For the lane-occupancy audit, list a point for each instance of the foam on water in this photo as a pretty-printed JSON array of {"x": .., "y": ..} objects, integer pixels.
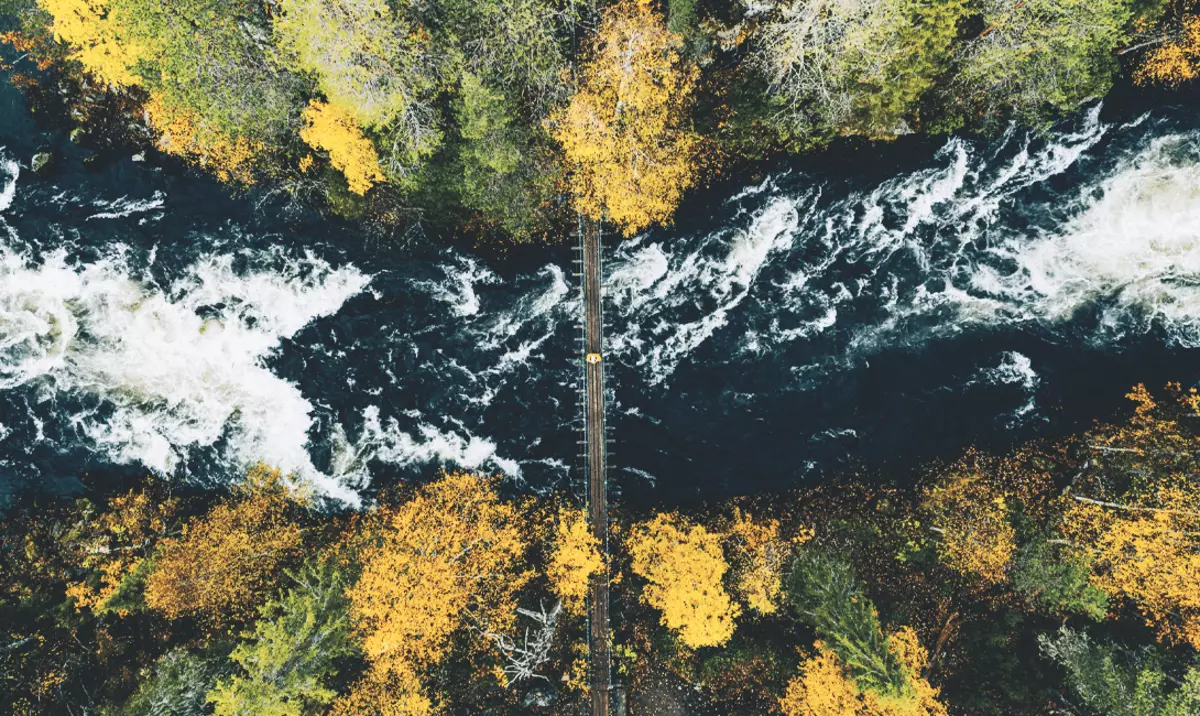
[
  {"x": 384, "y": 440},
  {"x": 927, "y": 254},
  {"x": 1132, "y": 251},
  {"x": 172, "y": 369},
  {"x": 123, "y": 207},
  {"x": 12, "y": 172},
  {"x": 649, "y": 282},
  {"x": 1016, "y": 370}
]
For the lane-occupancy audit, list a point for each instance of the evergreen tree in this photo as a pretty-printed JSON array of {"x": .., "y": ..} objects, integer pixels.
[
  {"x": 824, "y": 593},
  {"x": 285, "y": 664}
]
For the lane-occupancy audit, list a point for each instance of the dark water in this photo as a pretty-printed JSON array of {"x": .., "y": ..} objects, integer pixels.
[{"x": 880, "y": 310}]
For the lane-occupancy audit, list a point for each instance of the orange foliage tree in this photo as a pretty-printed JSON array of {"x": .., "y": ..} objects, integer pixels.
[
  {"x": 684, "y": 565},
  {"x": 227, "y": 563},
  {"x": 451, "y": 556},
  {"x": 328, "y": 127},
  {"x": 1175, "y": 61},
  {"x": 625, "y": 133},
  {"x": 1136, "y": 514},
  {"x": 574, "y": 558},
  {"x": 184, "y": 135}
]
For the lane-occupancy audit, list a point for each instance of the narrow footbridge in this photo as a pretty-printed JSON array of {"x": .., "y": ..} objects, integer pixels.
[{"x": 595, "y": 457}]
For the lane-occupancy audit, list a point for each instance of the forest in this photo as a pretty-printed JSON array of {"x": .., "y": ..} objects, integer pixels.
[
  {"x": 1058, "y": 578},
  {"x": 499, "y": 119}
]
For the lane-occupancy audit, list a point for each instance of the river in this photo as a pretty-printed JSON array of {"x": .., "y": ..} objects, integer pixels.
[{"x": 887, "y": 308}]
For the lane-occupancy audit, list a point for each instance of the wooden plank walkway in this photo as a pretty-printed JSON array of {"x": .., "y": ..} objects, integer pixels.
[{"x": 599, "y": 639}]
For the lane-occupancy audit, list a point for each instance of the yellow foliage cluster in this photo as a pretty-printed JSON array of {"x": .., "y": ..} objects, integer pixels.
[
  {"x": 453, "y": 552},
  {"x": 970, "y": 512},
  {"x": 90, "y": 27},
  {"x": 328, "y": 127},
  {"x": 228, "y": 562},
  {"x": 1148, "y": 551},
  {"x": 625, "y": 133},
  {"x": 397, "y": 694},
  {"x": 1174, "y": 62},
  {"x": 759, "y": 554},
  {"x": 684, "y": 566},
  {"x": 116, "y": 543},
  {"x": 825, "y": 688},
  {"x": 1144, "y": 544},
  {"x": 182, "y": 134},
  {"x": 573, "y": 559}
]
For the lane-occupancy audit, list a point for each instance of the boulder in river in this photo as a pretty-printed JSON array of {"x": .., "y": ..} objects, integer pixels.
[{"x": 42, "y": 162}]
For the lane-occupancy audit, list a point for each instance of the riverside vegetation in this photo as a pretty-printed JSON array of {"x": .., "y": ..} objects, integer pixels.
[
  {"x": 500, "y": 118},
  {"x": 1059, "y": 578}
]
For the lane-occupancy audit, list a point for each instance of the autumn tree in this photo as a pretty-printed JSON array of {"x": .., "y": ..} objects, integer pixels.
[
  {"x": 625, "y": 134},
  {"x": 854, "y": 66},
  {"x": 823, "y": 688},
  {"x": 225, "y": 563},
  {"x": 758, "y": 554},
  {"x": 114, "y": 546},
  {"x": 450, "y": 557},
  {"x": 181, "y": 133},
  {"x": 392, "y": 694},
  {"x": 100, "y": 39},
  {"x": 216, "y": 89},
  {"x": 1146, "y": 548},
  {"x": 684, "y": 566},
  {"x": 1134, "y": 511},
  {"x": 574, "y": 558},
  {"x": 378, "y": 70},
  {"x": 970, "y": 514},
  {"x": 1177, "y": 59},
  {"x": 287, "y": 662},
  {"x": 329, "y": 128}
]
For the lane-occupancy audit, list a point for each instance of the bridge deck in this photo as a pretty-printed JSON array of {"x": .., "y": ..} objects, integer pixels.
[{"x": 597, "y": 502}]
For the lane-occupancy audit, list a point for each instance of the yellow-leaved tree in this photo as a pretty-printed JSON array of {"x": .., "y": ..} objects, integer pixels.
[
  {"x": 377, "y": 694},
  {"x": 452, "y": 555},
  {"x": 1135, "y": 513},
  {"x": 101, "y": 43},
  {"x": 626, "y": 134},
  {"x": 970, "y": 513},
  {"x": 229, "y": 561},
  {"x": 683, "y": 566},
  {"x": 758, "y": 555},
  {"x": 824, "y": 687},
  {"x": 574, "y": 558},
  {"x": 114, "y": 545},
  {"x": 329, "y": 128}
]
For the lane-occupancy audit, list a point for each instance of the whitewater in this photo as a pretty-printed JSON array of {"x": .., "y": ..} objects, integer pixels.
[{"x": 985, "y": 291}]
